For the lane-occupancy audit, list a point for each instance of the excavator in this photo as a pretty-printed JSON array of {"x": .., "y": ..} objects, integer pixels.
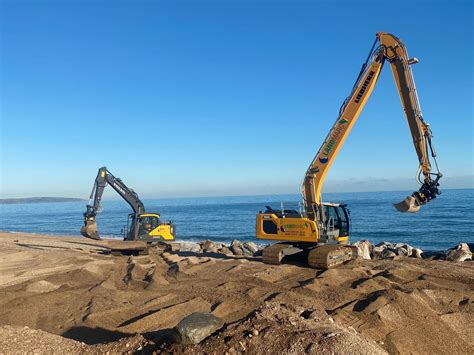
[
  {"x": 320, "y": 231},
  {"x": 141, "y": 226}
]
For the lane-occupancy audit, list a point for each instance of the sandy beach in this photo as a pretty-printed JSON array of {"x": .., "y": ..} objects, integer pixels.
[{"x": 66, "y": 294}]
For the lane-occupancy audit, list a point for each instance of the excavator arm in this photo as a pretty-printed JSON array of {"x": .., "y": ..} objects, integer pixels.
[
  {"x": 104, "y": 178},
  {"x": 390, "y": 48}
]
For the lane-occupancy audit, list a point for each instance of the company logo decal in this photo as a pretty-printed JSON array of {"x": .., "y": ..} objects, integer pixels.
[
  {"x": 338, "y": 131},
  {"x": 364, "y": 86}
]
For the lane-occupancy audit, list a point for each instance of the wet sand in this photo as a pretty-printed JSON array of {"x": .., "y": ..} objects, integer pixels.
[{"x": 73, "y": 296}]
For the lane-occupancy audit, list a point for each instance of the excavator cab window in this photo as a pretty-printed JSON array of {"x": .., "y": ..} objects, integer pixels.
[
  {"x": 338, "y": 218},
  {"x": 131, "y": 227},
  {"x": 147, "y": 224},
  {"x": 344, "y": 226}
]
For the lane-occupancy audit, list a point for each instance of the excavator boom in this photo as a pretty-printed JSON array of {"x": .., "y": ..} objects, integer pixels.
[
  {"x": 104, "y": 177},
  {"x": 390, "y": 48}
]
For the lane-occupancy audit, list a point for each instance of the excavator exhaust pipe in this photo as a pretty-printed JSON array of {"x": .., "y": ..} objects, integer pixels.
[
  {"x": 410, "y": 204},
  {"x": 89, "y": 230}
]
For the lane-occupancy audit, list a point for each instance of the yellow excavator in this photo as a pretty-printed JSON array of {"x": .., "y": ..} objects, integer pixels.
[
  {"x": 141, "y": 226},
  {"x": 321, "y": 231}
]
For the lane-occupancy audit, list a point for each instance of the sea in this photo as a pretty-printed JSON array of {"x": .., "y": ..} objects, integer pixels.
[{"x": 441, "y": 224}]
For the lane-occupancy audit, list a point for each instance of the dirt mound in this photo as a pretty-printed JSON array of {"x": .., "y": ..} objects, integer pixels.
[{"x": 77, "y": 293}]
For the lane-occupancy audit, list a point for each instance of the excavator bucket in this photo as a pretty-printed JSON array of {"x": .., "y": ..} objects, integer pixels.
[
  {"x": 407, "y": 205},
  {"x": 89, "y": 230}
]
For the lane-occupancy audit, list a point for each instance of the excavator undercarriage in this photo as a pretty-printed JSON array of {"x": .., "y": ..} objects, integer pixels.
[{"x": 323, "y": 256}]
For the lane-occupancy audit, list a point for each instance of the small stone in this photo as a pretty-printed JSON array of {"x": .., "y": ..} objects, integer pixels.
[
  {"x": 127, "y": 345},
  {"x": 254, "y": 332},
  {"x": 312, "y": 348},
  {"x": 196, "y": 327}
]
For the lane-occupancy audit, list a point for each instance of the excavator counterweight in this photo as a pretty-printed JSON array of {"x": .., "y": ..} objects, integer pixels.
[{"x": 321, "y": 230}]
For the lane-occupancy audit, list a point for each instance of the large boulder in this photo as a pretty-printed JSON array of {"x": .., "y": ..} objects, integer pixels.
[
  {"x": 196, "y": 327},
  {"x": 416, "y": 253},
  {"x": 190, "y": 246},
  {"x": 236, "y": 250},
  {"x": 400, "y": 251},
  {"x": 406, "y": 249},
  {"x": 385, "y": 245},
  {"x": 387, "y": 254},
  {"x": 251, "y": 247},
  {"x": 364, "y": 249},
  {"x": 459, "y": 253},
  {"x": 226, "y": 251},
  {"x": 207, "y": 244}
]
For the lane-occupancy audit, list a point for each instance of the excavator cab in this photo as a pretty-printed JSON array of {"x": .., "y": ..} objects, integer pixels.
[
  {"x": 149, "y": 227},
  {"x": 337, "y": 222}
]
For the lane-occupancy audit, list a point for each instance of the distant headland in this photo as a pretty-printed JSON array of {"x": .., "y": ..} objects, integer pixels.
[{"x": 12, "y": 201}]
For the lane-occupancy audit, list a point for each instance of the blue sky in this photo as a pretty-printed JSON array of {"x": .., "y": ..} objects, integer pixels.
[{"x": 196, "y": 98}]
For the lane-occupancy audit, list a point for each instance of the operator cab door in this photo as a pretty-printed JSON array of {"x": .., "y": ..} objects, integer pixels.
[
  {"x": 337, "y": 221},
  {"x": 131, "y": 223},
  {"x": 146, "y": 224}
]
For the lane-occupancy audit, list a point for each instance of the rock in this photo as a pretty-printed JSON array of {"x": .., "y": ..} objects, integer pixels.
[
  {"x": 378, "y": 249},
  {"x": 235, "y": 242},
  {"x": 408, "y": 248},
  {"x": 189, "y": 246},
  {"x": 41, "y": 286},
  {"x": 226, "y": 251},
  {"x": 387, "y": 254},
  {"x": 364, "y": 249},
  {"x": 196, "y": 327},
  {"x": 416, "y": 253},
  {"x": 211, "y": 249},
  {"x": 385, "y": 245},
  {"x": 207, "y": 244},
  {"x": 400, "y": 251},
  {"x": 254, "y": 332},
  {"x": 236, "y": 250},
  {"x": 460, "y": 253},
  {"x": 251, "y": 247}
]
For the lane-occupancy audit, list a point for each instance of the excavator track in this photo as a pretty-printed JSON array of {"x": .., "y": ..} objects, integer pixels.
[
  {"x": 274, "y": 254},
  {"x": 328, "y": 256}
]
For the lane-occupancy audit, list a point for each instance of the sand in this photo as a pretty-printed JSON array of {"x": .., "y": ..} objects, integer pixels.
[{"x": 65, "y": 294}]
